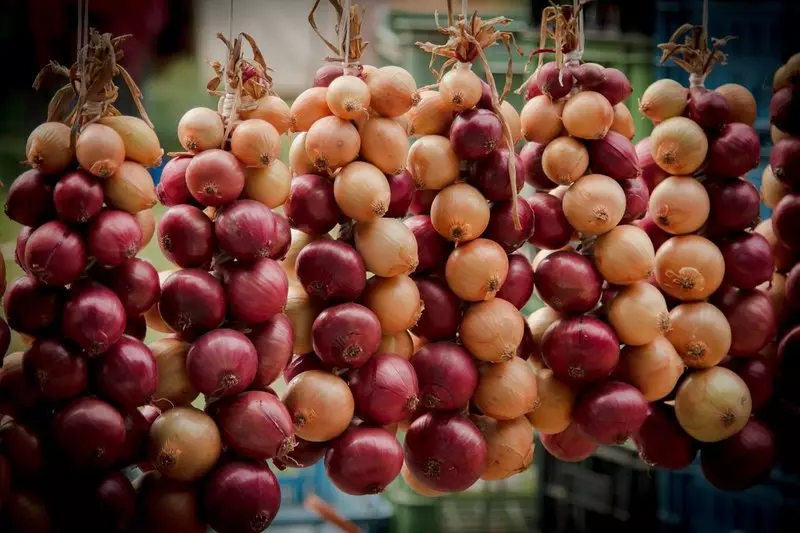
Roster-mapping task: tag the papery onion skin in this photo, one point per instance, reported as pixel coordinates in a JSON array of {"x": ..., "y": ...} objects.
[
  {"x": 518, "y": 286},
  {"x": 309, "y": 107},
  {"x": 748, "y": 260},
  {"x": 90, "y": 433},
  {"x": 48, "y": 148},
  {"x": 130, "y": 188},
  {"x": 679, "y": 205},
  {"x": 564, "y": 160},
  {"x": 433, "y": 163},
  {"x": 186, "y": 236},
  {"x": 610, "y": 412},
  {"x": 492, "y": 176},
  {"x": 554, "y": 81},
  {"x": 700, "y": 333},
  {"x": 199, "y": 129},
  {"x": 302, "y": 363},
  {"x": 257, "y": 291},
  {"x": 174, "y": 388},
  {"x": 184, "y": 444},
  {"x": 114, "y": 237},
  {"x": 663, "y": 99},
  {"x": 689, "y": 267},
  {"x": 331, "y": 270},
  {"x": 215, "y": 177},
  {"x": 475, "y": 271},
  {"x": 172, "y": 189},
  {"x": 679, "y": 146},
  {"x": 77, "y": 197},
  {"x": 364, "y": 460},
  {"x": 93, "y": 317},
  {"x": 708, "y": 108},
  {"x": 460, "y": 212},
  {"x": 580, "y": 349},
  {"x": 430, "y": 115},
  {"x": 639, "y": 314},
  {"x": 222, "y": 362},
  {"x": 395, "y": 301},
  {"x": 614, "y": 156},
  {"x": 551, "y": 229},
  {"x": 570, "y": 445},
  {"x": 127, "y": 374},
  {"x": 615, "y": 86},
  {"x": 100, "y": 150},
  {"x": 637, "y": 198},
  {"x": 55, "y": 254},
  {"x": 433, "y": 249},
  {"x": 758, "y": 374},
  {"x": 241, "y": 496},
  {"x": 501, "y": 228},
  {"x": 475, "y": 133},
  {"x": 304, "y": 455},
  {"x": 568, "y": 282},
  {"x": 652, "y": 174},
  {"x": 734, "y": 206},
  {"x": 623, "y": 121},
  {"x": 401, "y": 186},
  {"x": 752, "y": 319},
  {"x": 311, "y": 206},
  {"x": 441, "y": 312},
  {"x": 346, "y": 335},
  {"x": 630, "y": 243},
  {"x": 55, "y": 369},
  {"x": 321, "y": 405},
  {"x": 245, "y": 229},
  {"x": 29, "y": 199},
  {"x": 653, "y": 368},
  {"x": 269, "y": 185},
  {"x": 137, "y": 286},
  {"x": 446, "y": 374},
  {"x": 541, "y": 119},
  {"x": 662, "y": 442},
  {"x": 392, "y": 90},
  {"x": 506, "y": 390},
  {"x": 256, "y": 425},
  {"x": 588, "y": 115},
  {"x": 734, "y": 151},
  {"x": 531, "y": 159},
  {"x": 657, "y": 235},
  {"x": 742, "y": 460},
  {"x": 594, "y": 205},
  {"x": 385, "y": 390},
  {"x": 492, "y": 330},
  {"x": 32, "y": 307},
  {"x": 784, "y": 161},
  {"x": 741, "y": 102},
  {"x": 552, "y": 411},
  {"x": 510, "y": 446},
  {"x": 785, "y": 220},
  {"x": 192, "y": 301}
]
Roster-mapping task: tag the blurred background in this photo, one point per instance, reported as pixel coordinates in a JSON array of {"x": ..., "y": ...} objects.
[{"x": 167, "y": 56}]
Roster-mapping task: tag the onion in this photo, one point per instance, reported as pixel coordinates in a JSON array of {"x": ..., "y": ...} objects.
[
  {"x": 589, "y": 75},
  {"x": 785, "y": 218},
  {"x": 311, "y": 206},
  {"x": 255, "y": 424},
  {"x": 137, "y": 286},
  {"x": 441, "y": 310},
  {"x": 752, "y": 319},
  {"x": 657, "y": 235},
  {"x": 741, "y": 102},
  {"x": 215, "y": 177},
  {"x": 565, "y": 160},
  {"x": 400, "y": 344},
  {"x": 541, "y": 119},
  {"x": 14, "y": 385},
  {"x": 679, "y": 205},
  {"x": 130, "y": 188},
  {"x": 433, "y": 249},
  {"x": 662, "y": 442},
  {"x": 255, "y": 142},
  {"x": 392, "y": 91},
  {"x": 783, "y": 110},
  {"x": 362, "y": 191},
  {"x": 384, "y": 144},
  {"x": 395, "y": 302},
  {"x": 309, "y": 107},
  {"x": 430, "y": 114},
  {"x": 708, "y": 108},
  {"x": 587, "y": 115},
  {"x": 24, "y": 447},
  {"x": 653, "y": 368},
  {"x": 474, "y": 134},
  {"x": 784, "y": 161},
  {"x": 299, "y": 161},
  {"x": 169, "y": 506},
  {"x": 509, "y": 446},
  {"x": 90, "y": 433},
  {"x": 610, "y": 412},
  {"x": 269, "y": 185},
  {"x": 127, "y": 374},
  {"x": 222, "y": 362},
  {"x": 77, "y": 197},
  {"x": 387, "y": 246},
  {"x": 246, "y": 230},
  {"x": 734, "y": 205},
  {"x": 48, "y": 148},
  {"x": 93, "y": 317},
  {"x": 31, "y": 307},
  {"x": 679, "y": 146},
  {"x": 623, "y": 121},
  {"x": 174, "y": 388},
  {"x": 513, "y": 121},
  {"x": 700, "y": 333},
  {"x": 624, "y": 255},
  {"x": 553, "y": 81},
  {"x": 273, "y": 343},
  {"x": 332, "y": 143},
  {"x": 26, "y": 511},
  {"x": 776, "y": 289},
  {"x": 255, "y": 291},
  {"x": 615, "y": 86},
  {"x": 241, "y": 496},
  {"x": 492, "y": 330},
  {"x": 742, "y": 460},
  {"x": 114, "y": 237},
  {"x": 551, "y": 229},
  {"x": 538, "y": 322},
  {"x": 531, "y": 166},
  {"x": 22, "y": 242},
  {"x": 100, "y": 150},
  {"x": 302, "y": 363},
  {"x": 637, "y": 198},
  {"x": 748, "y": 260},
  {"x": 652, "y": 174},
  {"x": 192, "y": 302},
  {"x": 568, "y": 282},
  {"x": 186, "y": 236},
  {"x": 5, "y": 336},
  {"x": 301, "y": 311},
  {"x": 421, "y": 202},
  {"x": 348, "y": 97},
  {"x": 416, "y": 485},
  {"x": 30, "y": 199},
  {"x": 460, "y": 213},
  {"x": 200, "y": 129},
  {"x": 639, "y": 314},
  {"x": 759, "y": 375},
  {"x": 273, "y": 109},
  {"x": 580, "y": 349},
  {"x": 304, "y": 455},
  {"x": 552, "y": 411},
  {"x": 346, "y": 335},
  {"x": 571, "y": 445},
  {"x": 432, "y": 162},
  {"x": 446, "y": 374},
  {"x": 385, "y": 390},
  {"x": 184, "y": 444},
  {"x": 506, "y": 390},
  {"x": 615, "y": 156},
  {"x": 663, "y": 99},
  {"x": 518, "y": 286},
  {"x": 331, "y": 270},
  {"x": 460, "y": 88},
  {"x": 172, "y": 188},
  {"x": 594, "y": 204},
  {"x": 364, "y": 460},
  {"x": 55, "y": 254},
  {"x": 491, "y": 176},
  {"x": 734, "y": 151},
  {"x": 327, "y": 73},
  {"x": 501, "y": 224},
  {"x": 283, "y": 238},
  {"x": 476, "y": 271},
  {"x": 689, "y": 267},
  {"x": 321, "y": 405},
  {"x": 299, "y": 240}
]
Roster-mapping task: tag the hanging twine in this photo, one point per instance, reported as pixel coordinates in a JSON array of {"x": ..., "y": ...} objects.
[{"x": 349, "y": 45}]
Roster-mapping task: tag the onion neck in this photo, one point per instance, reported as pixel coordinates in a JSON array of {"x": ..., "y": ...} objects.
[{"x": 697, "y": 80}]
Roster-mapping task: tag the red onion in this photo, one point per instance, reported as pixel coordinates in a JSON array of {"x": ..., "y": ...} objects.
[
  {"x": 734, "y": 151},
  {"x": 475, "y": 133},
  {"x": 273, "y": 341},
  {"x": 610, "y": 412},
  {"x": 332, "y": 271},
  {"x": 637, "y": 197},
  {"x": 657, "y": 235},
  {"x": 346, "y": 335},
  {"x": 571, "y": 445},
  {"x": 501, "y": 224},
  {"x": 114, "y": 237},
  {"x": 652, "y": 174},
  {"x": 283, "y": 237},
  {"x": 748, "y": 260},
  {"x": 784, "y": 159},
  {"x": 792, "y": 288},
  {"x": 614, "y": 156},
  {"x": 709, "y": 109},
  {"x": 55, "y": 254},
  {"x": 751, "y": 316},
  {"x": 385, "y": 390},
  {"x": 222, "y": 362},
  {"x": 57, "y": 372},
  {"x": 445, "y": 451},
  {"x": 327, "y": 73},
  {"x": 740, "y": 461},
  {"x": 402, "y": 188},
  {"x": 305, "y": 454},
  {"x": 25, "y": 511},
  {"x": 486, "y": 97},
  {"x": 532, "y": 90},
  {"x": 735, "y": 205},
  {"x": 492, "y": 178},
  {"x": 421, "y": 202},
  {"x": 241, "y": 497},
  {"x": 784, "y": 110},
  {"x": 93, "y": 317},
  {"x": 433, "y": 248},
  {"x": 518, "y": 286},
  {"x": 554, "y": 82},
  {"x": 568, "y": 282},
  {"x": 588, "y": 75},
  {"x": 580, "y": 349},
  {"x": 5, "y": 479},
  {"x": 192, "y": 302},
  {"x": 111, "y": 504},
  {"x": 759, "y": 376},
  {"x": 661, "y": 440},
  {"x": 441, "y": 313},
  {"x": 172, "y": 189},
  {"x": 168, "y": 506},
  {"x": 22, "y": 242},
  {"x": 447, "y": 376},
  {"x": 31, "y": 307},
  {"x": 311, "y": 206},
  {"x": 90, "y": 433},
  {"x": 137, "y": 430},
  {"x": 136, "y": 285},
  {"x": 245, "y": 230},
  {"x": 215, "y": 177},
  {"x": 256, "y": 425},
  {"x": 24, "y": 447},
  {"x": 364, "y": 460},
  {"x": 551, "y": 230},
  {"x": 29, "y": 200},
  {"x": 615, "y": 86},
  {"x": 256, "y": 291},
  {"x": 788, "y": 346},
  {"x": 786, "y": 220},
  {"x": 301, "y": 363},
  {"x": 77, "y": 197},
  {"x": 528, "y": 347},
  {"x": 186, "y": 236},
  {"x": 5, "y": 336},
  {"x": 531, "y": 164},
  {"x": 127, "y": 374}
]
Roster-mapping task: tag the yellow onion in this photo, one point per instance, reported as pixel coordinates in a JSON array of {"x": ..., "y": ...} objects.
[
  {"x": 331, "y": 143},
  {"x": 429, "y": 115},
  {"x": 541, "y": 119},
  {"x": 639, "y": 314},
  {"x": 256, "y": 143},
  {"x": 772, "y": 190},
  {"x": 594, "y": 204},
  {"x": 509, "y": 446},
  {"x": 269, "y": 185},
  {"x": 299, "y": 162},
  {"x": 776, "y": 135},
  {"x": 348, "y": 97},
  {"x": 48, "y": 148},
  {"x": 153, "y": 317},
  {"x": 299, "y": 241},
  {"x": 663, "y": 99},
  {"x": 301, "y": 311},
  {"x": 416, "y": 485},
  {"x": 141, "y": 142},
  {"x": 130, "y": 188},
  {"x": 460, "y": 88},
  {"x": 513, "y": 120},
  {"x": 387, "y": 246},
  {"x": 552, "y": 411},
  {"x": 475, "y": 271},
  {"x": 404, "y": 122},
  {"x": 401, "y": 344},
  {"x": 689, "y": 267},
  {"x": 653, "y": 368},
  {"x": 147, "y": 223},
  {"x": 395, "y": 301},
  {"x": 775, "y": 288},
  {"x": 384, "y": 143},
  {"x": 540, "y": 320},
  {"x": 460, "y": 213},
  {"x": 174, "y": 387},
  {"x": 700, "y": 333},
  {"x": 565, "y": 160},
  {"x": 362, "y": 191},
  {"x": 506, "y": 390},
  {"x": 624, "y": 255},
  {"x": 492, "y": 330},
  {"x": 200, "y": 129},
  {"x": 787, "y": 74},
  {"x": 433, "y": 163},
  {"x": 587, "y": 115},
  {"x": 274, "y": 110},
  {"x": 679, "y": 146},
  {"x": 741, "y": 102},
  {"x": 100, "y": 150},
  {"x": 623, "y": 121},
  {"x": 309, "y": 106},
  {"x": 679, "y": 205},
  {"x": 391, "y": 90}
]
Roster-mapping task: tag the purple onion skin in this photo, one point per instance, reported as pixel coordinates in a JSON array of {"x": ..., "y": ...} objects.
[
  {"x": 751, "y": 316},
  {"x": 447, "y": 376},
  {"x": 568, "y": 282},
  {"x": 759, "y": 376},
  {"x": 5, "y": 337},
  {"x": 615, "y": 86},
  {"x": 31, "y": 307},
  {"x": 554, "y": 83},
  {"x": 784, "y": 110},
  {"x": 127, "y": 374},
  {"x": 551, "y": 230},
  {"x": 186, "y": 236},
  {"x": 580, "y": 349},
  {"x": 441, "y": 314},
  {"x": 475, "y": 133},
  {"x": 305, "y": 454},
  {"x": 114, "y": 237},
  {"x": 332, "y": 271},
  {"x": 90, "y": 433},
  {"x": 636, "y": 199},
  {"x": 241, "y": 496},
  {"x": 708, "y": 108},
  {"x": 24, "y": 446},
  {"x": 402, "y": 192},
  {"x": 531, "y": 159},
  {"x": 245, "y": 230},
  {"x": 662, "y": 442},
  {"x": 501, "y": 224},
  {"x": 29, "y": 199},
  {"x": 433, "y": 248},
  {"x": 136, "y": 327},
  {"x": 137, "y": 430},
  {"x": 301, "y": 363},
  {"x": 283, "y": 238},
  {"x": 486, "y": 97},
  {"x": 652, "y": 174},
  {"x": 222, "y": 362},
  {"x": 492, "y": 178},
  {"x": 346, "y": 335},
  {"x": 518, "y": 286},
  {"x": 137, "y": 286},
  {"x": 329, "y": 72},
  {"x": 77, "y": 197},
  {"x": 445, "y": 451},
  {"x": 273, "y": 341},
  {"x": 172, "y": 189},
  {"x": 571, "y": 445},
  {"x": 614, "y": 156},
  {"x": 589, "y": 75},
  {"x": 311, "y": 206},
  {"x": 364, "y": 460},
  {"x": 748, "y": 260},
  {"x": 657, "y": 235},
  {"x": 256, "y": 425},
  {"x": 421, "y": 202},
  {"x": 784, "y": 160},
  {"x": 93, "y": 317},
  {"x": 192, "y": 302},
  {"x": 610, "y": 412},
  {"x": 255, "y": 291},
  {"x": 786, "y": 220},
  {"x": 385, "y": 389},
  {"x": 734, "y": 152},
  {"x": 792, "y": 291},
  {"x": 22, "y": 241},
  {"x": 55, "y": 254},
  {"x": 740, "y": 461},
  {"x": 55, "y": 370},
  {"x": 735, "y": 205}
]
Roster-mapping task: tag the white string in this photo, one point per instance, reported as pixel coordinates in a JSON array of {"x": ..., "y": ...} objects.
[{"x": 346, "y": 35}]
